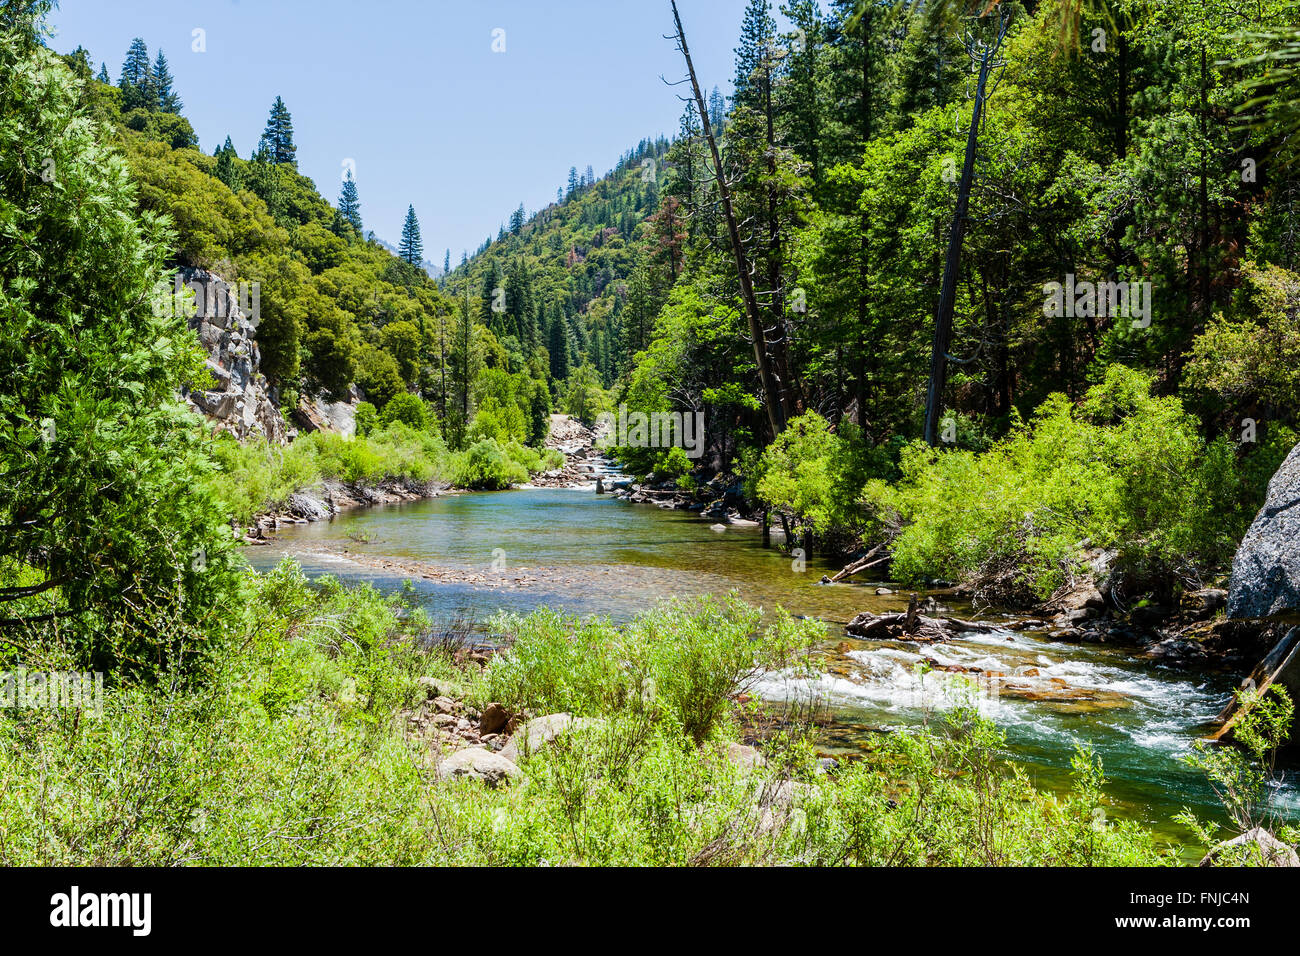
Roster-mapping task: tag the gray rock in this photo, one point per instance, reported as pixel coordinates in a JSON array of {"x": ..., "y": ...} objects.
[
  {"x": 235, "y": 396},
  {"x": 308, "y": 507},
  {"x": 540, "y": 731},
  {"x": 1266, "y": 570},
  {"x": 478, "y": 763},
  {"x": 1255, "y": 847},
  {"x": 746, "y": 758}
]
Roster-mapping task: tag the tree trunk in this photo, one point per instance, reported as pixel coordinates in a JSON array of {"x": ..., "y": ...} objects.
[
  {"x": 771, "y": 390},
  {"x": 952, "y": 264}
]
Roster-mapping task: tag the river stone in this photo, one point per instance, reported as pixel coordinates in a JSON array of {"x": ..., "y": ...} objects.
[
  {"x": 478, "y": 763},
  {"x": 744, "y": 757},
  {"x": 1266, "y": 570},
  {"x": 1266, "y": 849},
  {"x": 540, "y": 731},
  {"x": 493, "y": 719}
]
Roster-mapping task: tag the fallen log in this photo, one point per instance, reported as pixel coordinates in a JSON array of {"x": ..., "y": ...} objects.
[
  {"x": 910, "y": 625},
  {"x": 1280, "y": 666},
  {"x": 861, "y": 564}
]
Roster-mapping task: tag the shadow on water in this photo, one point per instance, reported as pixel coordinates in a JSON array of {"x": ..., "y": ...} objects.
[{"x": 589, "y": 554}]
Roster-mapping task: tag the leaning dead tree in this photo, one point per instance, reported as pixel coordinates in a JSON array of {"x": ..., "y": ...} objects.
[
  {"x": 984, "y": 53},
  {"x": 772, "y": 403}
]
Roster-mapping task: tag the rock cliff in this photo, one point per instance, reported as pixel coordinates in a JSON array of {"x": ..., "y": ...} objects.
[{"x": 239, "y": 400}]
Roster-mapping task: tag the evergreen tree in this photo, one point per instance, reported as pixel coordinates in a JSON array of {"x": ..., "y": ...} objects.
[
  {"x": 411, "y": 248},
  {"x": 161, "y": 77},
  {"x": 277, "y": 138},
  {"x": 446, "y": 263},
  {"x": 558, "y": 344},
  {"x": 757, "y": 38},
  {"x": 717, "y": 111},
  {"x": 226, "y": 170},
  {"x": 350, "y": 205},
  {"x": 136, "y": 80},
  {"x": 103, "y": 73},
  {"x": 517, "y": 220},
  {"x": 574, "y": 182}
]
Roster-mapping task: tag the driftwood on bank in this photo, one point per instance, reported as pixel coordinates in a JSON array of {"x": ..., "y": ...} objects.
[{"x": 911, "y": 625}]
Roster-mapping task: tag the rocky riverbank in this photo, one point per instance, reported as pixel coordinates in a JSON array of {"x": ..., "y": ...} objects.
[{"x": 334, "y": 496}]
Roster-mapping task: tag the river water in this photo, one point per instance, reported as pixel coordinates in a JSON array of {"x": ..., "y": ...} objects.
[{"x": 472, "y": 554}]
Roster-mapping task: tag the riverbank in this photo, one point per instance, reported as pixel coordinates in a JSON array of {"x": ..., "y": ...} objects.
[{"x": 338, "y": 728}]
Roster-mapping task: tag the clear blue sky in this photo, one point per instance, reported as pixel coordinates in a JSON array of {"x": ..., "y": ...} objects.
[{"x": 413, "y": 93}]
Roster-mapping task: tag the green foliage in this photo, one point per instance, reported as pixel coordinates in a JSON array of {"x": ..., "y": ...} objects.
[
  {"x": 408, "y": 409},
  {"x": 486, "y": 466},
  {"x": 93, "y": 440},
  {"x": 1243, "y": 773},
  {"x": 1122, "y": 469},
  {"x": 684, "y": 661}
]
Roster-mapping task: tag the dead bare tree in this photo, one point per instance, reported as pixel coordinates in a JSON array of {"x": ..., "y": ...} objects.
[
  {"x": 984, "y": 53},
  {"x": 772, "y": 403}
]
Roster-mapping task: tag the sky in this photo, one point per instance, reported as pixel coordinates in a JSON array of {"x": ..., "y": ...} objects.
[{"x": 414, "y": 96}]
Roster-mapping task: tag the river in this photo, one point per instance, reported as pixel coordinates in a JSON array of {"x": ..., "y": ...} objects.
[{"x": 593, "y": 554}]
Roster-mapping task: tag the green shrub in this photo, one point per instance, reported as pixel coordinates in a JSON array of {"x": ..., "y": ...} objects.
[
  {"x": 484, "y": 466},
  {"x": 408, "y": 409},
  {"x": 1122, "y": 469}
]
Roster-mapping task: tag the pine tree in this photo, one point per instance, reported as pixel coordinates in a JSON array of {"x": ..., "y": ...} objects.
[
  {"x": 574, "y": 182},
  {"x": 517, "y": 219},
  {"x": 717, "y": 111},
  {"x": 411, "y": 248},
  {"x": 757, "y": 36},
  {"x": 136, "y": 81},
  {"x": 278, "y": 136},
  {"x": 350, "y": 205},
  {"x": 558, "y": 344},
  {"x": 226, "y": 170},
  {"x": 103, "y": 73},
  {"x": 161, "y": 77},
  {"x": 446, "y": 263}
]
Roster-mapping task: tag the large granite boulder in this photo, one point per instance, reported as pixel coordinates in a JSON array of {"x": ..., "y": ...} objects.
[{"x": 1266, "y": 570}]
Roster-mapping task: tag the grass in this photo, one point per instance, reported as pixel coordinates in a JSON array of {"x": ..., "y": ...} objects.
[{"x": 294, "y": 750}]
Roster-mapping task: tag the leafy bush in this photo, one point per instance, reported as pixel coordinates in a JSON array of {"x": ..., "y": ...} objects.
[
  {"x": 409, "y": 409},
  {"x": 686, "y": 659},
  {"x": 1122, "y": 469},
  {"x": 485, "y": 466}
]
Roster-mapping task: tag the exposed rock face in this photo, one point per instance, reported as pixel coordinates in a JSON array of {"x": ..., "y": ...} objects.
[
  {"x": 1266, "y": 570},
  {"x": 239, "y": 400},
  {"x": 320, "y": 415}
]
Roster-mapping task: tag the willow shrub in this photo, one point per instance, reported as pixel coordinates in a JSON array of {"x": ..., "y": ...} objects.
[
  {"x": 684, "y": 660},
  {"x": 1123, "y": 469}
]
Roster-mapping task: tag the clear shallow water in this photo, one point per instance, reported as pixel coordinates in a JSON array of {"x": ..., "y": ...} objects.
[{"x": 593, "y": 554}]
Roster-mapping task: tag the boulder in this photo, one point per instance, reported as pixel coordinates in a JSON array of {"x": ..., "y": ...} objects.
[
  {"x": 493, "y": 720},
  {"x": 540, "y": 731},
  {"x": 479, "y": 763},
  {"x": 1266, "y": 570},
  {"x": 746, "y": 758},
  {"x": 1254, "y": 847}
]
